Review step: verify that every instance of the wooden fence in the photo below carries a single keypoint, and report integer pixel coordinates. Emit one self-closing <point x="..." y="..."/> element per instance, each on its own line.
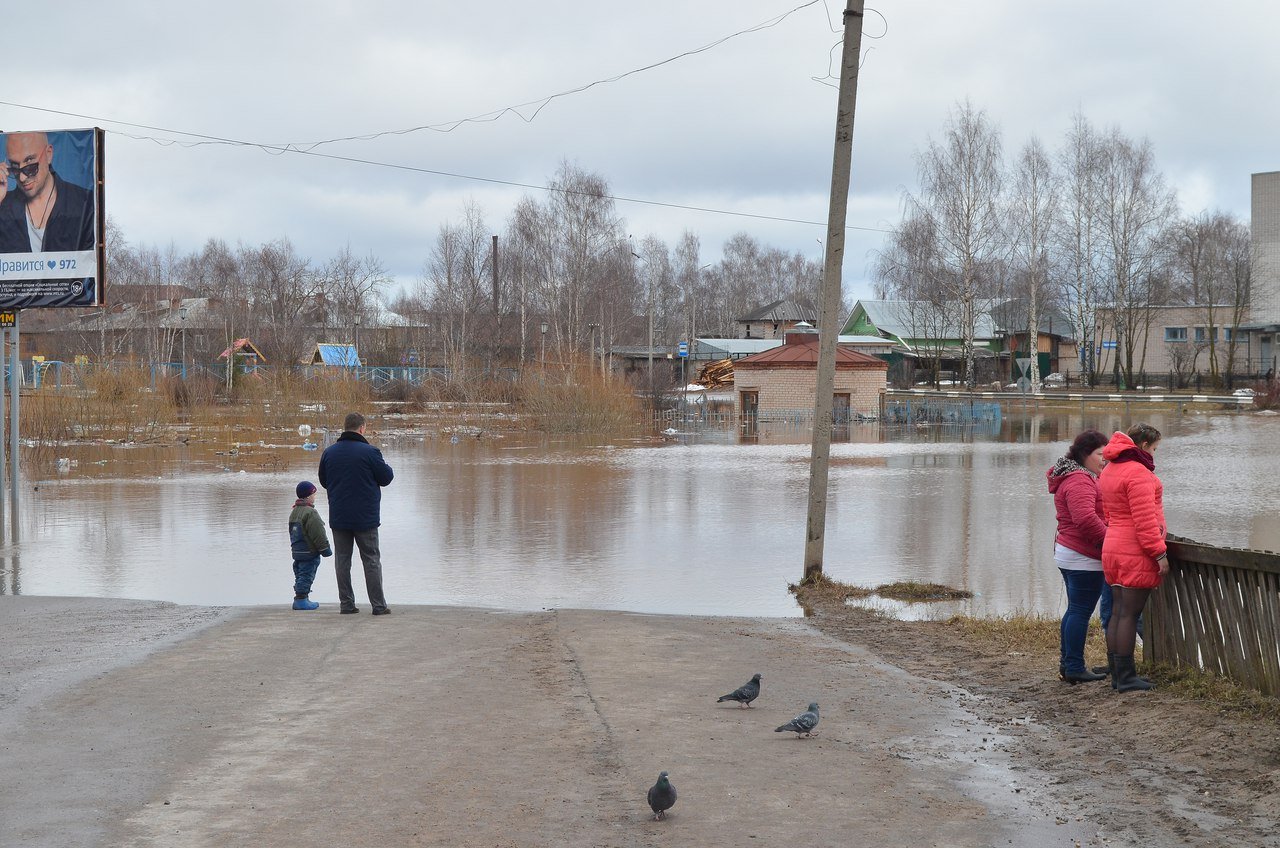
<point x="1219" y="610"/>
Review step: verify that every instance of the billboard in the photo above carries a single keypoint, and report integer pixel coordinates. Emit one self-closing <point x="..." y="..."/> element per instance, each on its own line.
<point x="52" y="220"/>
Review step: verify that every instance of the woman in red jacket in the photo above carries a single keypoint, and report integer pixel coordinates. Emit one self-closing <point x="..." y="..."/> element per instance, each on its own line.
<point x="1077" y="549"/>
<point x="1133" y="556"/>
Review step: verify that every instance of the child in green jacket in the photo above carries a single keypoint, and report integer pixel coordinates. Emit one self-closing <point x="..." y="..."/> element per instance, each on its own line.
<point x="308" y="541"/>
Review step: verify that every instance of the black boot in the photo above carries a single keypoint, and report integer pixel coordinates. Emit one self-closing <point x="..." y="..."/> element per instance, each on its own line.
<point x="1126" y="678"/>
<point x="1081" y="677"/>
<point x="1109" y="669"/>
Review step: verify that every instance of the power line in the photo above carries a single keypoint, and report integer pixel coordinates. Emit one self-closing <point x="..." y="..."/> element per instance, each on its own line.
<point x="485" y="117"/>
<point x="309" y="148"/>
<point x="276" y="151"/>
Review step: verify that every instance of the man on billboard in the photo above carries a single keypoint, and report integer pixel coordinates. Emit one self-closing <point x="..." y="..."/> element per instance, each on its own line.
<point x="39" y="210"/>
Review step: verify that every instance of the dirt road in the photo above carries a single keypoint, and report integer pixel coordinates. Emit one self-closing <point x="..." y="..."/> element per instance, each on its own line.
<point x="445" y="726"/>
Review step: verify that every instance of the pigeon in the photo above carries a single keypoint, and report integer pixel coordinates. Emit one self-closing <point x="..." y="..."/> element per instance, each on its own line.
<point x="744" y="694"/>
<point x="662" y="797"/>
<point x="803" y="724"/>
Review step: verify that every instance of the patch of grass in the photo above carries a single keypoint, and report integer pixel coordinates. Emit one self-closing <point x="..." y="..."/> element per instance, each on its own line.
<point x="913" y="592"/>
<point x="823" y="588"/>
<point x="1021" y="632"/>
<point x="1226" y="695"/>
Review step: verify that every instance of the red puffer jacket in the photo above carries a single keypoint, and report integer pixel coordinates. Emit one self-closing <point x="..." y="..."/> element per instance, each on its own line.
<point x="1079" y="506"/>
<point x="1133" y="500"/>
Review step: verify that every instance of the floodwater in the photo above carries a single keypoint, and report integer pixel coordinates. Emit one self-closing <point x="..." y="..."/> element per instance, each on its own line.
<point x="702" y="525"/>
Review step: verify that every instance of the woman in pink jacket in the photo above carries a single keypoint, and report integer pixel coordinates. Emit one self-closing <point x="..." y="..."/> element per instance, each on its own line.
<point x="1134" y="558"/>
<point x="1077" y="549"/>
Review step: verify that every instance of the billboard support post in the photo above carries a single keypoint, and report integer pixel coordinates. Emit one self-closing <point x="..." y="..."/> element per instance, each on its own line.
<point x="4" y="358"/>
<point x="15" y="385"/>
<point x="62" y="264"/>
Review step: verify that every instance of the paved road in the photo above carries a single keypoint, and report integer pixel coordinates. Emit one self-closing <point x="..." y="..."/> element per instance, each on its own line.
<point x="146" y="724"/>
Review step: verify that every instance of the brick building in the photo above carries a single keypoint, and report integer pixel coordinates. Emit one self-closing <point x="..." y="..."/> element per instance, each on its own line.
<point x="780" y="383"/>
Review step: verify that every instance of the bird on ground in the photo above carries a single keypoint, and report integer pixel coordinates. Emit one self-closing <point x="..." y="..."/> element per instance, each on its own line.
<point x="803" y="724"/>
<point x="662" y="797"/>
<point x="744" y="694"/>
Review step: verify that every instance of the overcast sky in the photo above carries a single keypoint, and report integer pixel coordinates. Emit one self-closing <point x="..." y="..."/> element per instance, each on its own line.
<point x="741" y="127"/>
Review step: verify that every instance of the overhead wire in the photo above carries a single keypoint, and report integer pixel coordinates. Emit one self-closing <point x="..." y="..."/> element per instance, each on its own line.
<point x="309" y="148"/>
<point x="167" y="142"/>
<point x="484" y="117"/>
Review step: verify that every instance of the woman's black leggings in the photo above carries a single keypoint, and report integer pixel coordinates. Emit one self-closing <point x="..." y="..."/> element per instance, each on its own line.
<point x="1122" y="630"/>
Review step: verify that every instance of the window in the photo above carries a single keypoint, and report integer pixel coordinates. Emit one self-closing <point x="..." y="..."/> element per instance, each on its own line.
<point x="1175" y="334"/>
<point x="1202" y="336"/>
<point x="1226" y="334"/>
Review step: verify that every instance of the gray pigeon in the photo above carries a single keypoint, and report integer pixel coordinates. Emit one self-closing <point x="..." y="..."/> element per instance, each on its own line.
<point x="744" y="694"/>
<point x="662" y="797"/>
<point x="803" y="724"/>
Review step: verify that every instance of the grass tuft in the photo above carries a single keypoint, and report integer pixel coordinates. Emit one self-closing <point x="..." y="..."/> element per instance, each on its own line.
<point x="822" y="588"/>
<point x="913" y="592"/>
<point x="1224" y="694"/>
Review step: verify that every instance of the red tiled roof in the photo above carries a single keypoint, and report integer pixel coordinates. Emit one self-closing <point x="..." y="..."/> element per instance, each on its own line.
<point x="805" y="355"/>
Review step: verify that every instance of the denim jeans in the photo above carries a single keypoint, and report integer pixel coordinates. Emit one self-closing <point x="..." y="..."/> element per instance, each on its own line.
<point x="1083" y="590"/>
<point x="1104" y="605"/>
<point x="304" y="574"/>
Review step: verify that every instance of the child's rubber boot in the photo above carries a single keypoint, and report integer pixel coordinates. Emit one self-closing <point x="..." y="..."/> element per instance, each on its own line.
<point x="305" y="604"/>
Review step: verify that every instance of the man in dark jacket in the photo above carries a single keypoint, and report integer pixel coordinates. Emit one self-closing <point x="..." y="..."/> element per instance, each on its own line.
<point x="353" y="472"/>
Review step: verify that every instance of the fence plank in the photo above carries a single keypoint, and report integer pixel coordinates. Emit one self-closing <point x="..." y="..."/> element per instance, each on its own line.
<point x="1269" y="629"/>
<point x="1219" y="611"/>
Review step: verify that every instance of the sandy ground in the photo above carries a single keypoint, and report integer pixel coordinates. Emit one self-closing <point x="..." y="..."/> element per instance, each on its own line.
<point x="146" y="724"/>
<point x="1151" y="768"/>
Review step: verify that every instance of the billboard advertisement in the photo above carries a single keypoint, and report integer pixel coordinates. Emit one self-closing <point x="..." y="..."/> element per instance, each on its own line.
<point x="52" y="221"/>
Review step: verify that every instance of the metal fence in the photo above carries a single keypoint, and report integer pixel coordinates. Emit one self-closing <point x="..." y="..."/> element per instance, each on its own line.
<point x="934" y="410"/>
<point x="57" y="374"/>
<point x="1219" y="610"/>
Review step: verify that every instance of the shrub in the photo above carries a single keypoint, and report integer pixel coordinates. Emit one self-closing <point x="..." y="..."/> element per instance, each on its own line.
<point x="579" y="401"/>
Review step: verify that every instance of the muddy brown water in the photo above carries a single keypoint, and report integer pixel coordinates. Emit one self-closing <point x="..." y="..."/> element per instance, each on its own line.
<point x="704" y="524"/>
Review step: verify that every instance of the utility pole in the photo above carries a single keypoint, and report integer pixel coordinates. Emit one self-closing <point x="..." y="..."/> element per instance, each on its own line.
<point x="829" y="322"/>
<point x="649" y="301"/>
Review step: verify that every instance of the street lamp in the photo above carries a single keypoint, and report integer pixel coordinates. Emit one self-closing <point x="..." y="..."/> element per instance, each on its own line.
<point x="543" y="357"/>
<point x="182" y="316"/>
<point x="649" y="299"/>
<point x="593" y="327"/>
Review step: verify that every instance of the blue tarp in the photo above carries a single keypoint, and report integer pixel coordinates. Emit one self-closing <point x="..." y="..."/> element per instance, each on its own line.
<point x="342" y="355"/>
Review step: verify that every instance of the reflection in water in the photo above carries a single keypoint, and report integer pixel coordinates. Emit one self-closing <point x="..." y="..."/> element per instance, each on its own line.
<point x="712" y="527"/>
<point x="10" y="573"/>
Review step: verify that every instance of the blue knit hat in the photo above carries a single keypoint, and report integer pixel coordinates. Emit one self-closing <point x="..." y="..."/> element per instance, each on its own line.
<point x="305" y="488"/>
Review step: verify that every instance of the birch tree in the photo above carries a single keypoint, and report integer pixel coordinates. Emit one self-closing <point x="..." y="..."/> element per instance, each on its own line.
<point x="1033" y="212"/>
<point x="1077" y="237"/>
<point x="1136" y="210"/>
<point x="961" y="187"/>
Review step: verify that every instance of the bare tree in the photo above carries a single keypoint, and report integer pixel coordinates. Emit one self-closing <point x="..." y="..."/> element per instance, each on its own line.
<point x="351" y="285"/>
<point x="1207" y="248"/>
<point x="961" y="188"/>
<point x="689" y="279"/>
<point x="1182" y="359"/>
<point x="1077" y="238"/>
<point x="912" y="275"/>
<point x="283" y="287"/>
<point x="1136" y="209"/>
<point x="457" y="279"/>
<point x="1033" y="213"/>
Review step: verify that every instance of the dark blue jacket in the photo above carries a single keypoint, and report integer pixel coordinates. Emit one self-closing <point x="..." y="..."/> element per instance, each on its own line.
<point x="352" y="471"/>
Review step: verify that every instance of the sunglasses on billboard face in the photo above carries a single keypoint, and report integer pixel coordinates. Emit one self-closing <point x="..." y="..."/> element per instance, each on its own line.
<point x="27" y="171"/>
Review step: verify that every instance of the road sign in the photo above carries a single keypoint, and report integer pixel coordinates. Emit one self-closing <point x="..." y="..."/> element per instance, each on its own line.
<point x="1108" y="345"/>
<point x="683" y="349"/>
